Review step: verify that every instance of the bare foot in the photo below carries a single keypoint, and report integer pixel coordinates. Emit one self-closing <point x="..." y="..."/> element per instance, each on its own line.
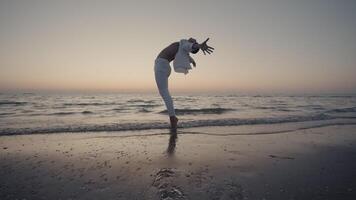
<point x="174" y="122"/>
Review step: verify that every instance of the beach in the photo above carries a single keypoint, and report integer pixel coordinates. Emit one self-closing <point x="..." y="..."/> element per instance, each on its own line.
<point x="199" y="163"/>
<point x="236" y="100"/>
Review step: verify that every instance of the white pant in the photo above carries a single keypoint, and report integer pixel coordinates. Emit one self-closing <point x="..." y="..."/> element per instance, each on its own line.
<point x="162" y="71"/>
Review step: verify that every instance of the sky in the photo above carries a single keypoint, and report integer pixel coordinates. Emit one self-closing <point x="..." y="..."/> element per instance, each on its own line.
<point x="304" y="46"/>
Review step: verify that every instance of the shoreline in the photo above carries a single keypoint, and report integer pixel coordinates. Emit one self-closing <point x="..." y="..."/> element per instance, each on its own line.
<point x="268" y="128"/>
<point x="315" y="163"/>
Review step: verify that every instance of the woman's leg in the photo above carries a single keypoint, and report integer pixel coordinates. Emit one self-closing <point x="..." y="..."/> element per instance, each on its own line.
<point x="162" y="84"/>
<point x="162" y="71"/>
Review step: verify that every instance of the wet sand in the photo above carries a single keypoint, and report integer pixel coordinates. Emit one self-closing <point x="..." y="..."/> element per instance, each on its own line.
<point x="200" y="163"/>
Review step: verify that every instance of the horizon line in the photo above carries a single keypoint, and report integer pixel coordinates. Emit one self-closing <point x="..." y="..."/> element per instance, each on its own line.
<point x="177" y="91"/>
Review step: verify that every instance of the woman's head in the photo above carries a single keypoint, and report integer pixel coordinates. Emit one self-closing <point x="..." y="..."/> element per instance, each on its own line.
<point x="195" y="47"/>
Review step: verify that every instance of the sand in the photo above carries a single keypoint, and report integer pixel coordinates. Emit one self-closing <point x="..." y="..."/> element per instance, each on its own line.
<point x="317" y="163"/>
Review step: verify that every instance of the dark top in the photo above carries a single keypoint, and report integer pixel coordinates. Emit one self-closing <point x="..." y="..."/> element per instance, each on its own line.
<point x="169" y="52"/>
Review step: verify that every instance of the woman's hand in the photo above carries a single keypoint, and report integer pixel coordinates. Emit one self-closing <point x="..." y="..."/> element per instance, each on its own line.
<point x="205" y="48"/>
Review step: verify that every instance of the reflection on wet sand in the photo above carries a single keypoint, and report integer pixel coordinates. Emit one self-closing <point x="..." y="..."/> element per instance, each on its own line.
<point x="172" y="142"/>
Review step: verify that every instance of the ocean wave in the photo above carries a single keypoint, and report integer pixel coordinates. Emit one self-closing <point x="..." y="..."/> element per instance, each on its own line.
<point x="199" y="111"/>
<point x="119" y="109"/>
<point x="284" y="109"/>
<point x="58" y="113"/>
<point x="140" y="101"/>
<point x="86" y="112"/>
<point x="144" y="110"/>
<point x="7" y="113"/>
<point x="331" y="96"/>
<point x="310" y="106"/>
<point x="342" y="110"/>
<point x="144" y="105"/>
<point x="15" y="103"/>
<point x="277" y="108"/>
<point x="162" y="125"/>
<point x="90" y="104"/>
<point x="62" y="113"/>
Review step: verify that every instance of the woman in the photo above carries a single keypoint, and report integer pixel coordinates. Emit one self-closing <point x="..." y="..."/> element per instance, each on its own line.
<point x="178" y="52"/>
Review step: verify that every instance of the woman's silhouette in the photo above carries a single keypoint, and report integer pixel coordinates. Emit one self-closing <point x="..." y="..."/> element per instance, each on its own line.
<point x="178" y="52"/>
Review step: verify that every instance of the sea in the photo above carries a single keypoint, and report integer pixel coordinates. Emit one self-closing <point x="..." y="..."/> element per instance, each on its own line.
<point x="38" y="113"/>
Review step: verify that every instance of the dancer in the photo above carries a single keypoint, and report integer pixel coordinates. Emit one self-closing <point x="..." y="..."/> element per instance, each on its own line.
<point x="178" y="52"/>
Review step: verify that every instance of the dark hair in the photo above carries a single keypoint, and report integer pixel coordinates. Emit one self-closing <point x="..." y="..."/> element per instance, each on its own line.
<point x="195" y="50"/>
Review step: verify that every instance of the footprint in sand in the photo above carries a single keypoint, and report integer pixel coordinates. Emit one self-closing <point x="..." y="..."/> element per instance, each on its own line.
<point x="164" y="183"/>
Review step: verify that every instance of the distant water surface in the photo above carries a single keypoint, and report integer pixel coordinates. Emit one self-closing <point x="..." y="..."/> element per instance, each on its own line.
<point x="29" y="113"/>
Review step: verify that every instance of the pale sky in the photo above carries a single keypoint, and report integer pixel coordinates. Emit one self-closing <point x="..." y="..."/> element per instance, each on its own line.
<point x="261" y="46"/>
